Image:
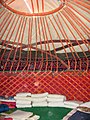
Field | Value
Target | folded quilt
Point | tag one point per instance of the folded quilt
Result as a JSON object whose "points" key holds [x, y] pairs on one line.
{"points": [[73, 103], [39, 104], [56, 96], [86, 104], [22, 98], [23, 106], [3, 108], [24, 94], [18, 114], [7, 100], [38, 99], [55, 99], [35, 117], [70, 106], [39, 95], [56, 104], [23, 102]]}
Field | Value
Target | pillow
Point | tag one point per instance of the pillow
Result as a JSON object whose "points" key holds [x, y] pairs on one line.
{"points": [[39, 95]]}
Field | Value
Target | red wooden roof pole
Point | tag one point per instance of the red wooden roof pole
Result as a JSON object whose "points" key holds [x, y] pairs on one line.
{"points": [[8, 34], [8, 24], [17, 34], [79, 24], [62, 45], [42, 5], [22, 37], [12, 44], [39, 22], [43, 30], [45, 26]]}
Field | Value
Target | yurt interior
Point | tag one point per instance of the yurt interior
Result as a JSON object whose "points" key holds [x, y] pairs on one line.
{"points": [[44, 59]]}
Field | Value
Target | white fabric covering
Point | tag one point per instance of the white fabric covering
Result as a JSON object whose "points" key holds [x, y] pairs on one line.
{"points": [[35, 117], [39, 104], [38, 99], [70, 106], [56, 104], [22, 98], [39, 95], [23, 102], [86, 104], [73, 103], [56, 96], [55, 99], [18, 114], [23, 106], [23, 94]]}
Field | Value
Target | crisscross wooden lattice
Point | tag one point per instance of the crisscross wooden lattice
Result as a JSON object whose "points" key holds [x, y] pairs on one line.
{"points": [[75, 85]]}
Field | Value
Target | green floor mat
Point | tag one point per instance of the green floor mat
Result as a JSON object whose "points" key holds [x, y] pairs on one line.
{"points": [[48, 113]]}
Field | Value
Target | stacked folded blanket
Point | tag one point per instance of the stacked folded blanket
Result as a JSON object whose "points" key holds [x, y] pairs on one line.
{"points": [[22, 115], [55, 100], [23, 100], [72, 104], [39, 100]]}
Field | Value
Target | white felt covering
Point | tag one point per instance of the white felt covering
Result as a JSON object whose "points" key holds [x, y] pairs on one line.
{"points": [[56, 104], [23, 102], [18, 114], [22, 98], [86, 104], [23, 106], [56, 96], [38, 99], [73, 103], [39, 104], [39, 95], [55, 99], [23, 94], [35, 117]]}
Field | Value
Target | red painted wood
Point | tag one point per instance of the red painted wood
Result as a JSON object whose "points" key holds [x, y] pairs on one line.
{"points": [[74, 85]]}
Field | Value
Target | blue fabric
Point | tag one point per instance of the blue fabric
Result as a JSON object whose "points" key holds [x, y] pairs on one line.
{"points": [[80, 116], [3, 108]]}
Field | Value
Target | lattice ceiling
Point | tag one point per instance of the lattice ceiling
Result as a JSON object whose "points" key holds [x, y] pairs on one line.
{"points": [[47, 27]]}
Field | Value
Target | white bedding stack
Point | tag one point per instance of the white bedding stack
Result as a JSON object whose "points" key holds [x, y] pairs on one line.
{"points": [[55, 100], [39, 100], [23, 100], [72, 104]]}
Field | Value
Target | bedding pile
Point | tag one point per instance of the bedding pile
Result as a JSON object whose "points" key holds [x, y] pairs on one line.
{"points": [[72, 104], [23, 100], [22, 115], [39, 100], [9, 101], [82, 112], [55, 100]]}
